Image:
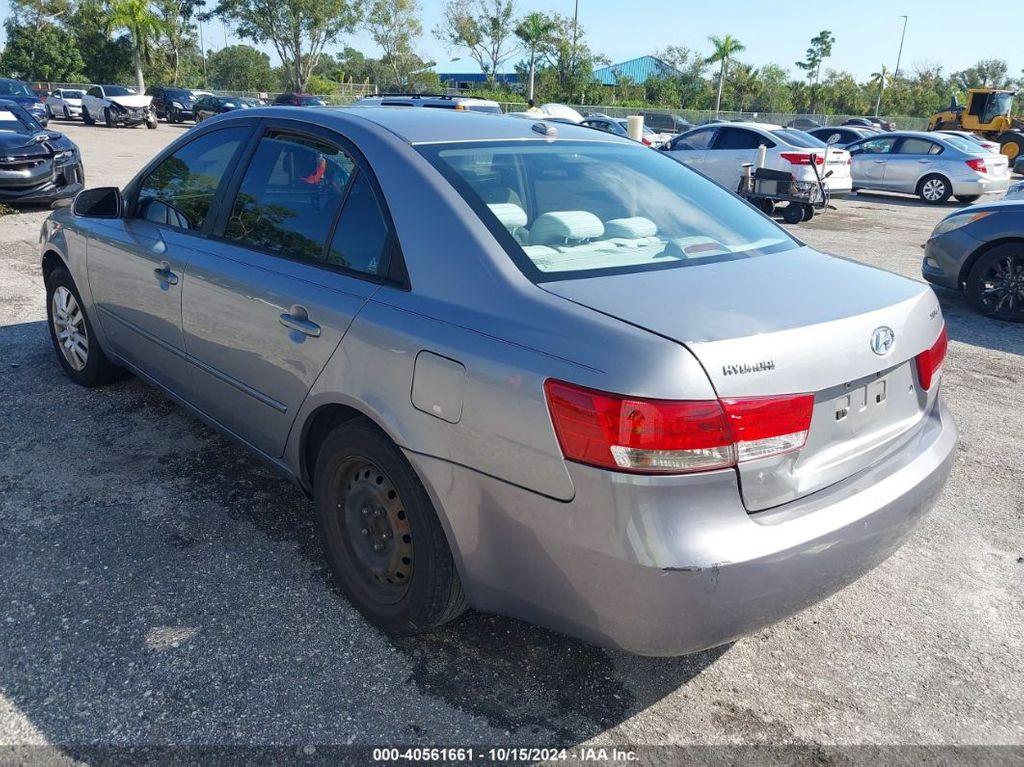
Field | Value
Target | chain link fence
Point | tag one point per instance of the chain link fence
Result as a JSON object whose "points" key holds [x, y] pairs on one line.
{"points": [[346, 93]]}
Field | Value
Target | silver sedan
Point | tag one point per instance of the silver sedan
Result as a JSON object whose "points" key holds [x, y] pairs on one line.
{"points": [[524, 367], [934, 166]]}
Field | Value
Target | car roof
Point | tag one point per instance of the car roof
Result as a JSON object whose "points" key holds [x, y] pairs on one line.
{"points": [[433, 126]]}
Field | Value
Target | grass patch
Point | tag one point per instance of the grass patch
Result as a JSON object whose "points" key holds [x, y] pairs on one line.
{"points": [[6, 210]]}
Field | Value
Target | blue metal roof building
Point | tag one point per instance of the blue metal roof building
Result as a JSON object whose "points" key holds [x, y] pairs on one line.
{"points": [[637, 71]]}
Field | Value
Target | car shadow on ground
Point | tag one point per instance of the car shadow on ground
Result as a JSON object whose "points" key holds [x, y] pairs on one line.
{"points": [[152, 593], [907, 200], [967, 326]]}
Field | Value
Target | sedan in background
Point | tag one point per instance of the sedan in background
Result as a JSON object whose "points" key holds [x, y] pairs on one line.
{"points": [[65, 103], [21, 94], [871, 122], [726, 427], [990, 146], [933, 166], [618, 127], [980, 251], [299, 100], [209, 106], [804, 124], [842, 136], [720, 151], [36, 165], [117, 106]]}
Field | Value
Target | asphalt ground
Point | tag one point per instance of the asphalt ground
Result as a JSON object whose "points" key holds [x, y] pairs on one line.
{"points": [[160, 586]]}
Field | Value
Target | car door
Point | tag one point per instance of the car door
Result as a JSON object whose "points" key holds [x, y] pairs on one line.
{"points": [[732, 148], [869, 162], [911, 159], [303, 243], [137, 264], [691, 148]]}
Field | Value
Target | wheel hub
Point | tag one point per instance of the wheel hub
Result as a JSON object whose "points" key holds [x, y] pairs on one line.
{"points": [[378, 526], [1003, 284], [69, 327]]}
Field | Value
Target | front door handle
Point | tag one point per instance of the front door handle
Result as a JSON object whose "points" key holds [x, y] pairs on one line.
{"points": [[164, 273], [297, 319]]}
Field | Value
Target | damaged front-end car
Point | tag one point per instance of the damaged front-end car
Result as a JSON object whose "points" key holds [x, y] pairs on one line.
{"points": [[37, 166]]}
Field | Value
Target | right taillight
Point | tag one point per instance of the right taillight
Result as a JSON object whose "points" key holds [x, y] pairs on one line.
{"points": [[978, 164], [929, 362], [647, 436]]}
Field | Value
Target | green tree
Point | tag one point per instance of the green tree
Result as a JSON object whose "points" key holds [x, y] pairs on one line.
{"points": [[566, 72], [240, 68], [107, 59], [395, 26], [178, 44], [987, 73], [821, 49], [774, 94], [36, 16], [49, 54], [743, 85], [485, 28], [298, 29], [725, 48], [143, 26], [534, 31], [879, 80]]}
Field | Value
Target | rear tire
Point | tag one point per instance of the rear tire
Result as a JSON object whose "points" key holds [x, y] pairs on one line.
{"points": [[967, 199], [78, 350], [934, 189], [793, 213], [995, 285], [808, 212], [381, 535]]}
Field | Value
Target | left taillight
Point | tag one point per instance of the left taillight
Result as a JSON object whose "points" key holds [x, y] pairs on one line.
{"points": [[801, 158], [978, 164], [929, 362], [647, 436]]}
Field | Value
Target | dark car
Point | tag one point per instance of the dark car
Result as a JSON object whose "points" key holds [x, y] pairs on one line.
{"points": [[845, 135], [980, 251], [804, 124], [36, 165], [870, 122], [172, 103], [299, 100], [1018, 165], [662, 122], [210, 106], [21, 94]]}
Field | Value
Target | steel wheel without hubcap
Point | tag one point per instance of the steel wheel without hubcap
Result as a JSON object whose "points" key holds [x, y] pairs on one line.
{"points": [[69, 326], [379, 536], [997, 283]]}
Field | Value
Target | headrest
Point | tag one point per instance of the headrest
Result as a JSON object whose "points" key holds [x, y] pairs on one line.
{"points": [[510, 215], [630, 228], [565, 226]]}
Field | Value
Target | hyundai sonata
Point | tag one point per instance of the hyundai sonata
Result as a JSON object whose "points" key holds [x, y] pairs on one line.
{"points": [[529, 368]]}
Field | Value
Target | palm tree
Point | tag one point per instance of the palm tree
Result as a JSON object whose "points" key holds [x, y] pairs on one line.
{"points": [[535, 29], [142, 25], [880, 78], [725, 48], [746, 84]]}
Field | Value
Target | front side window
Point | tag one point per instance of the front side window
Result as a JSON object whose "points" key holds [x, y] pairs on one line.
{"points": [[289, 196], [876, 146], [95, 92], [180, 190], [695, 141], [118, 90], [576, 209]]}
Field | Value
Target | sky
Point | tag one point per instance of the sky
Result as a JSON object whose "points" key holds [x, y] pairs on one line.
{"points": [[867, 32]]}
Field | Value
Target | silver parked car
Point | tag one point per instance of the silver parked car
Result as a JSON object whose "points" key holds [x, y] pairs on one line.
{"points": [[933, 166], [526, 367]]}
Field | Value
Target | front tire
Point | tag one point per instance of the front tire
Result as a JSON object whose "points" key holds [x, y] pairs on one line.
{"points": [[934, 189], [67, 113], [86, 117], [995, 285], [108, 120], [793, 213], [381, 535], [71, 333], [967, 199]]}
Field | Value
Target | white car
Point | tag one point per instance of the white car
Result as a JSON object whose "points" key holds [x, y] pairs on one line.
{"points": [[720, 150], [117, 105], [65, 103], [991, 146]]}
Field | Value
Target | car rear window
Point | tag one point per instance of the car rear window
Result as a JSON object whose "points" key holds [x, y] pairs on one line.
{"points": [[799, 138], [574, 209]]}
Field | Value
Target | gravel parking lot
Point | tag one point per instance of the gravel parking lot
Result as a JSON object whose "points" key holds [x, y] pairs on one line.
{"points": [[160, 586]]}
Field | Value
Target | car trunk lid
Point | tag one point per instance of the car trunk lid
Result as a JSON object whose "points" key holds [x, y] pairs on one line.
{"points": [[794, 322]]}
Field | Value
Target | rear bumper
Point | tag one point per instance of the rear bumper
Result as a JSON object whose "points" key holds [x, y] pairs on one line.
{"points": [[669, 566], [981, 186]]}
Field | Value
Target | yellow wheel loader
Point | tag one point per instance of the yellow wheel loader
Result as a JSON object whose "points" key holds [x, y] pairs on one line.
{"points": [[987, 114]]}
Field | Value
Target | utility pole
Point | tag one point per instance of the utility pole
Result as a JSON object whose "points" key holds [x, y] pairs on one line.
{"points": [[899, 56]]}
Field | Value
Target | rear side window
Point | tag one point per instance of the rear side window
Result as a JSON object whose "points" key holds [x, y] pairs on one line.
{"points": [[289, 196], [362, 234], [180, 190], [919, 146], [737, 138]]}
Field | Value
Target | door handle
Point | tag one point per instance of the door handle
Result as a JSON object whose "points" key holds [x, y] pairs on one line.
{"points": [[297, 319], [164, 274]]}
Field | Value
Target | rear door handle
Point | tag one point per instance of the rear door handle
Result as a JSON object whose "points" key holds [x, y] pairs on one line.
{"points": [[164, 274], [297, 319]]}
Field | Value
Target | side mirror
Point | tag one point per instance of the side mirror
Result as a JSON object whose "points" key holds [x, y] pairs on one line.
{"points": [[101, 202]]}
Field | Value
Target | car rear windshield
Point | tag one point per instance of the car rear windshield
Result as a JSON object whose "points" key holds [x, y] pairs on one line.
{"points": [[799, 138], [572, 209]]}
